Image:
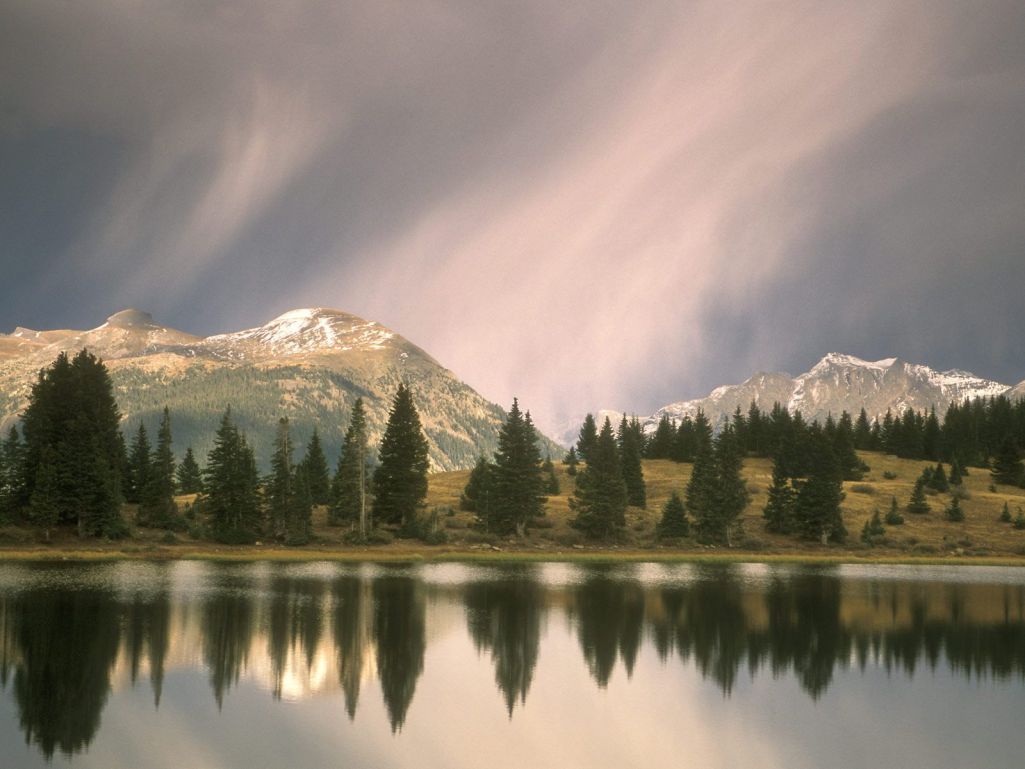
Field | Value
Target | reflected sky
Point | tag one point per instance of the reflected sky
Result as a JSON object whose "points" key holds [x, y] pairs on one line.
{"points": [[252, 665]]}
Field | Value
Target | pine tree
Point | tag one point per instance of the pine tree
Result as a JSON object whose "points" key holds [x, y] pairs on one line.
{"points": [[231, 486], [873, 529], [317, 474], [599, 499], [955, 473], [779, 509], [893, 516], [1005, 514], [571, 461], [731, 495], [851, 466], [400, 482], [190, 477], [518, 487], [1019, 521], [661, 444], [918, 503], [674, 523], [630, 461], [587, 438], [953, 511], [299, 524], [817, 513], [862, 432], [551, 479], [157, 507], [12, 454], [140, 461], [477, 495], [44, 506], [701, 492], [281, 486], [1007, 465], [938, 479], [350, 487]]}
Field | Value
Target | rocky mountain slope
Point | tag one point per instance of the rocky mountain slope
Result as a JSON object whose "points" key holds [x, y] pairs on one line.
{"points": [[309, 365], [843, 382]]}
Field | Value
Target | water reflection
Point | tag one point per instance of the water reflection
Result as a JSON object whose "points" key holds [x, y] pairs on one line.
{"points": [[69, 636]]}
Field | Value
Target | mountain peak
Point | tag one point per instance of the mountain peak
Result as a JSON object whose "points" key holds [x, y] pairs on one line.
{"points": [[130, 318], [831, 359]]}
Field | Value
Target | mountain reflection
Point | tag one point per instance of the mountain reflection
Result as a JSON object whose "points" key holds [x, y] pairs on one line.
{"points": [[71, 636]]}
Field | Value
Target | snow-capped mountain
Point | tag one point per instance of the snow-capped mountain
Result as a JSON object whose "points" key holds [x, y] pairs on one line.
{"points": [[309, 365], [841, 382]]}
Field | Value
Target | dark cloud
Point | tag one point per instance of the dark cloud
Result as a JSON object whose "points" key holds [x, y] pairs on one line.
{"points": [[634, 202]]}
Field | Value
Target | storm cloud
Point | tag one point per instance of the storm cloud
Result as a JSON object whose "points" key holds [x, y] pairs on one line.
{"points": [[593, 204]]}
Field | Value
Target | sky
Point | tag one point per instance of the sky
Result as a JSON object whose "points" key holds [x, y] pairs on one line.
{"points": [[604, 204]]}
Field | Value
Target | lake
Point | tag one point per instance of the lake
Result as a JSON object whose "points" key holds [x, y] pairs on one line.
{"points": [[199, 664]]}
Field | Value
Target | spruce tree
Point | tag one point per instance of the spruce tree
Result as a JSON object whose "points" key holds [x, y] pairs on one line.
{"points": [[587, 438], [299, 524], [630, 461], [918, 503], [157, 507], [400, 482], [350, 488], [571, 461], [1005, 514], [281, 486], [1019, 521], [873, 529], [317, 474], [551, 479], [44, 505], [955, 473], [954, 512], [140, 461], [1007, 465], [817, 513], [938, 479], [674, 523], [862, 432], [779, 509], [893, 516], [477, 495], [661, 444], [13, 458], [851, 466], [731, 494], [231, 486], [701, 492], [190, 477], [519, 483], [599, 499]]}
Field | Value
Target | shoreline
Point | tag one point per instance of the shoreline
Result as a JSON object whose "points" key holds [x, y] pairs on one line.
{"points": [[443, 555]]}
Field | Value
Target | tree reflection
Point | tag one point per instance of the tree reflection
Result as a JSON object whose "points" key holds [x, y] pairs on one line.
{"points": [[352, 628], [400, 635], [227, 629], [609, 613], [503, 617]]}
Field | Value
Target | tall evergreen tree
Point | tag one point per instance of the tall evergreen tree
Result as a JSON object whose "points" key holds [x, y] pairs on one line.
{"points": [[519, 483], [190, 477], [477, 496], [156, 500], [281, 486], [730, 495], [351, 485], [231, 486], [400, 482], [551, 479], [571, 461], [918, 503], [779, 509], [299, 525], [1007, 465], [44, 505], [630, 461], [587, 438], [661, 444], [599, 499], [701, 492], [817, 513], [938, 479], [12, 457], [140, 463], [317, 474], [954, 512], [862, 432]]}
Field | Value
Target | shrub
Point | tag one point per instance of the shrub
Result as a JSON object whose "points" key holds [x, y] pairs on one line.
{"points": [[1019, 522], [863, 488], [893, 516], [1005, 514], [960, 492], [889, 475]]}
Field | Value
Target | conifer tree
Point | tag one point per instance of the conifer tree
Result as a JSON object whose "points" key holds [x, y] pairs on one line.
{"points": [[938, 479], [893, 516], [299, 524], [1007, 465], [873, 529], [1005, 514], [231, 486], [918, 503], [518, 479], [571, 461], [817, 513], [701, 491], [587, 438], [731, 495], [13, 459], [317, 474], [661, 444], [779, 509], [551, 479], [477, 495], [863, 432], [1019, 521], [851, 466], [140, 462], [599, 499], [955, 473], [44, 505], [400, 482], [157, 507], [674, 523], [351, 484], [630, 461], [954, 512], [281, 487], [190, 477]]}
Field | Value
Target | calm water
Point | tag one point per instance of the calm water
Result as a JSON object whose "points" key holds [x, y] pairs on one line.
{"points": [[315, 665]]}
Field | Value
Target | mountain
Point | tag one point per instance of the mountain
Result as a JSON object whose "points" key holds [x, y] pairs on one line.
{"points": [[309, 365], [843, 382]]}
